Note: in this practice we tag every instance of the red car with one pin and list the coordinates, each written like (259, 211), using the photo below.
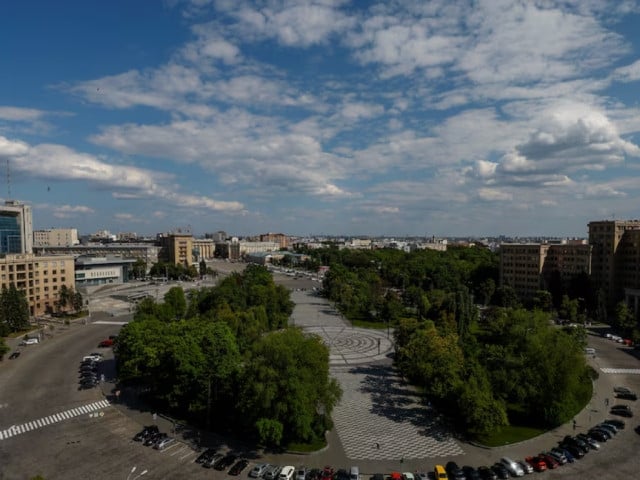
(327, 473)
(549, 460)
(538, 464)
(106, 343)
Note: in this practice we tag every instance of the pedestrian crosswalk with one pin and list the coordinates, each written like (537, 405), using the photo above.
(631, 371)
(51, 419)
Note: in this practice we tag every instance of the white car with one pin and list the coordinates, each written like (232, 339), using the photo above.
(164, 443)
(512, 467)
(30, 341)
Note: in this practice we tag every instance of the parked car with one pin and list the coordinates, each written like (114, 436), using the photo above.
(591, 442)
(500, 470)
(627, 396)
(106, 343)
(258, 470)
(204, 456)
(621, 389)
(608, 427)
(29, 341)
(575, 451)
(14, 355)
(616, 422)
(153, 438)
(512, 467)
(405, 476)
(272, 472)
(599, 435)
(537, 463)
(301, 473)
(145, 432)
(470, 473)
(549, 460)
(579, 440)
(211, 461)
(238, 467)
(622, 410)
(454, 471)
(341, 474)
(486, 473)
(567, 454)
(557, 456)
(225, 462)
(526, 468)
(316, 473)
(327, 473)
(163, 443)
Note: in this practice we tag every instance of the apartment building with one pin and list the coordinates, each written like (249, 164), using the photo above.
(529, 267)
(177, 248)
(616, 260)
(40, 277)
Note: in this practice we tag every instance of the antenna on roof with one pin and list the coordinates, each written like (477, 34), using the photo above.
(8, 180)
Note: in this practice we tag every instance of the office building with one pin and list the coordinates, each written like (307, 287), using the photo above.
(177, 248)
(16, 228)
(55, 237)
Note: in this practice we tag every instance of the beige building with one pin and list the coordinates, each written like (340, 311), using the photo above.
(55, 237)
(616, 260)
(528, 267)
(204, 248)
(280, 238)
(40, 277)
(177, 248)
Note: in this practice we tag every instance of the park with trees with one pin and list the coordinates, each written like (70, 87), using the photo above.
(495, 367)
(225, 358)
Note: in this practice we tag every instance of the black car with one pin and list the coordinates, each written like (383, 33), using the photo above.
(145, 433)
(341, 474)
(454, 471)
(316, 473)
(578, 441)
(204, 456)
(574, 450)
(15, 354)
(500, 470)
(627, 396)
(153, 438)
(470, 473)
(486, 473)
(225, 462)
(608, 427)
(619, 424)
(622, 410)
(238, 467)
(598, 435)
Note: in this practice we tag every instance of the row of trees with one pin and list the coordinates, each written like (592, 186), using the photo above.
(225, 357)
(14, 310)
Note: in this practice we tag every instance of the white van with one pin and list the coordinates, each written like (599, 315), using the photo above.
(287, 473)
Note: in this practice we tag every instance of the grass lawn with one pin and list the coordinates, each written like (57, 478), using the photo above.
(306, 447)
(510, 434)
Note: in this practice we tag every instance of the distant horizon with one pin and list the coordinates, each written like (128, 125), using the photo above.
(323, 115)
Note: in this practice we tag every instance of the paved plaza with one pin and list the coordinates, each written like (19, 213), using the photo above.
(380, 416)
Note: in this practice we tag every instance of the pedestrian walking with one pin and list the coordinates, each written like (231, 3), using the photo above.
(377, 446)
(606, 402)
(574, 424)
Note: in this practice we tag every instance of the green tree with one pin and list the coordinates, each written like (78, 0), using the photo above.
(202, 268)
(139, 269)
(77, 301)
(624, 318)
(568, 308)
(14, 308)
(269, 431)
(175, 300)
(4, 348)
(286, 379)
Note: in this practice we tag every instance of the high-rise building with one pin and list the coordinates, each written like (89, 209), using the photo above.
(615, 263)
(16, 228)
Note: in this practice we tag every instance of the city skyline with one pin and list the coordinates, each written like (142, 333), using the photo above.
(322, 117)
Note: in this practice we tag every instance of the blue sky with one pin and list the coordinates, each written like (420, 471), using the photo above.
(305, 117)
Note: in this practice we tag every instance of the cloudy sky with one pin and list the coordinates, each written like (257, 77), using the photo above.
(440, 117)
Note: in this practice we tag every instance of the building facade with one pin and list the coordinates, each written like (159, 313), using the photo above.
(55, 237)
(16, 228)
(102, 270)
(203, 248)
(177, 248)
(40, 277)
(616, 259)
(529, 267)
(280, 238)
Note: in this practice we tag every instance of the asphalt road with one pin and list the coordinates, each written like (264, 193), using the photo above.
(73, 436)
